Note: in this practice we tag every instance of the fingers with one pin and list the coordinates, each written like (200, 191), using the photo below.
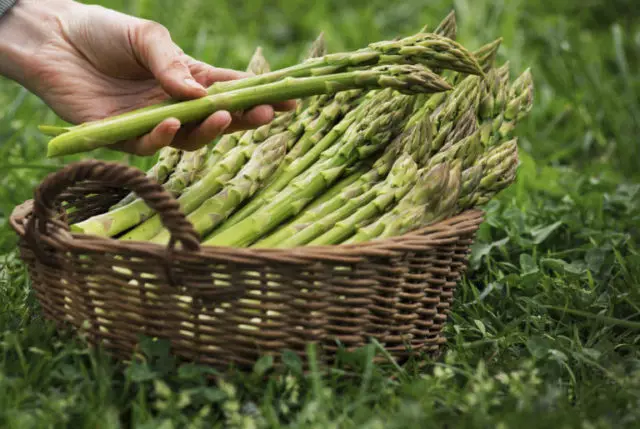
(193, 138)
(207, 75)
(253, 118)
(153, 46)
(162, 135)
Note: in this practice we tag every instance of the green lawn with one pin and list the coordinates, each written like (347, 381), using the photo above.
(545, 330)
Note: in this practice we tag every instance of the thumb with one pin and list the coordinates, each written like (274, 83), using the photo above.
(165, 60)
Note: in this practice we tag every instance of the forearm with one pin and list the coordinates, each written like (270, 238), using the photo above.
(24, 29)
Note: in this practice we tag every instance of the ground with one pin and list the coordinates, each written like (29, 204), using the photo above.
(545, 329)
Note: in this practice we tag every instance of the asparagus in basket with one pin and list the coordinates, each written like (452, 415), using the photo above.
(375, 124)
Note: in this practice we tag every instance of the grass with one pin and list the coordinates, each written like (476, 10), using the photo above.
(545, 327)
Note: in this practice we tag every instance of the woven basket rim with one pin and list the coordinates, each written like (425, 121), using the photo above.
(442, 232)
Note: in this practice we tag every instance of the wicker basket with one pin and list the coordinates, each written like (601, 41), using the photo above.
(220, 305)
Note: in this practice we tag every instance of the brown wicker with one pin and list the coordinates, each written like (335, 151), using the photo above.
(220, 305)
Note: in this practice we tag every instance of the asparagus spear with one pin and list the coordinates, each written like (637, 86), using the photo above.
(185, 172)
(487, 54)
(375, 199)
(317, 49)
(116, 221)
(404, 78)
(253, 226)
(513, 103)
(448, 27)
(123, 217)
(168, 158)
(399, 185)
(493, 172)
(217, 208)
(258, 64)
(463, 128)
(426, 49)
(466, 151)
(148, 223)
(408, 213)
(316, 134)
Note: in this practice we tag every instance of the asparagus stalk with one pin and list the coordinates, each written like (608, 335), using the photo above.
(116, 221)
(211, 183)
(148, 223)
(258, 64)
(185, 172)
(408, 213)
(374, 199)
(317, 49)
(486, 55)
(218, 175)
(216, 209)
(168, 158)
(399, 185)
(447, 28)
(466, 151)
(493, 172)
(463, 128)
(514, 103)
(404, 78)
(123, 217)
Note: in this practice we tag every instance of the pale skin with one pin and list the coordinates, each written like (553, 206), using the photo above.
(87, 62)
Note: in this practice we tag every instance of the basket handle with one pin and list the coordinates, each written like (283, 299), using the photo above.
(45, 204)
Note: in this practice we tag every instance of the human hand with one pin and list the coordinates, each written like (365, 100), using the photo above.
(88, 62)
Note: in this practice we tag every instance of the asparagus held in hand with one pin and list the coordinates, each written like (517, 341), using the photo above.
(405, 78)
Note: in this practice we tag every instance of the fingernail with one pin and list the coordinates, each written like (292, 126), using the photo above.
(193, 84)
(228, 123)
(174, 126)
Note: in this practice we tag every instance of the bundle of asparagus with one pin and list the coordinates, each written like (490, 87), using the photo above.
(385, 139)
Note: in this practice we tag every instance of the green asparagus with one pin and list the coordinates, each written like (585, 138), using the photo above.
(216, 209)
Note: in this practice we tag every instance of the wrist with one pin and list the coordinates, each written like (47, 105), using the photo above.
(24, 29)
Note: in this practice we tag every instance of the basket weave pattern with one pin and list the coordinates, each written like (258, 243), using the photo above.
(220, 305)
